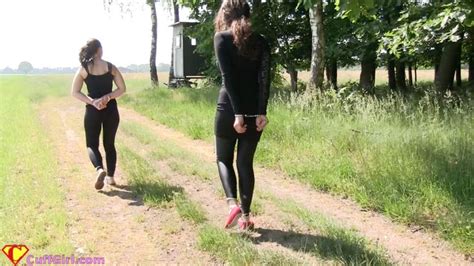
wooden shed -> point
(187, 63)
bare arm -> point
(77, 83)
(119, 82)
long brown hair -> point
(234, 15)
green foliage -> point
(340, 40)
(285, 26)
(421, 27)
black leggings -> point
(225, 157)
(94, 120)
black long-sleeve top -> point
(245, 80)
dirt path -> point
(112, 223)
(403, 246)
(204, 193)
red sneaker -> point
(233, 217)
(246, 225)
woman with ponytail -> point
(101, 107)
(244, 61)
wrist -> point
(239, 115)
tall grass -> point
(32, 210)
(410, 157)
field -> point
(329, 173)
(345, 76)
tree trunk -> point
(293, 78)
(154, 35)
(400, 76)
(256, 4)
(447, 66)
(458, 73)
(176, 19)
(410, 75)
(392, 83)
(416, 74)
(437, 58)
(369, 66)
(317, 49)
(331, 73)
(471, 56)
(471, 68)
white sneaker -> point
(99, 183)
(110, 180)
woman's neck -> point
(96, 60)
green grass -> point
(408, 157)
(179, 109)
(145, 181)
(32, 210)
(177, 158)
(333, 241)
(189, 210)
(238, 250)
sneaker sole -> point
(110, 183)
(247, 229)
(234, 221)
(99, 184)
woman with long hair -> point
(244, 61)
(101, 107)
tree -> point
(284, 25)
(154, 36)
(470, 57)
(434, 30)
(25, 67)
(175, 7)
(125, 7)
(340, 42)
(317, 45)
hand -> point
(98, 104)
(261, 122)
(105, 100)
(239, 125)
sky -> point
(49, 33)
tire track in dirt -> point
(205, 194)
(402, 245)
(112, 223)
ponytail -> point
(88, 51)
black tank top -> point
(100, 85)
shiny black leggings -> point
(94, 121)
(225, 157)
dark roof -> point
(185, 23)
